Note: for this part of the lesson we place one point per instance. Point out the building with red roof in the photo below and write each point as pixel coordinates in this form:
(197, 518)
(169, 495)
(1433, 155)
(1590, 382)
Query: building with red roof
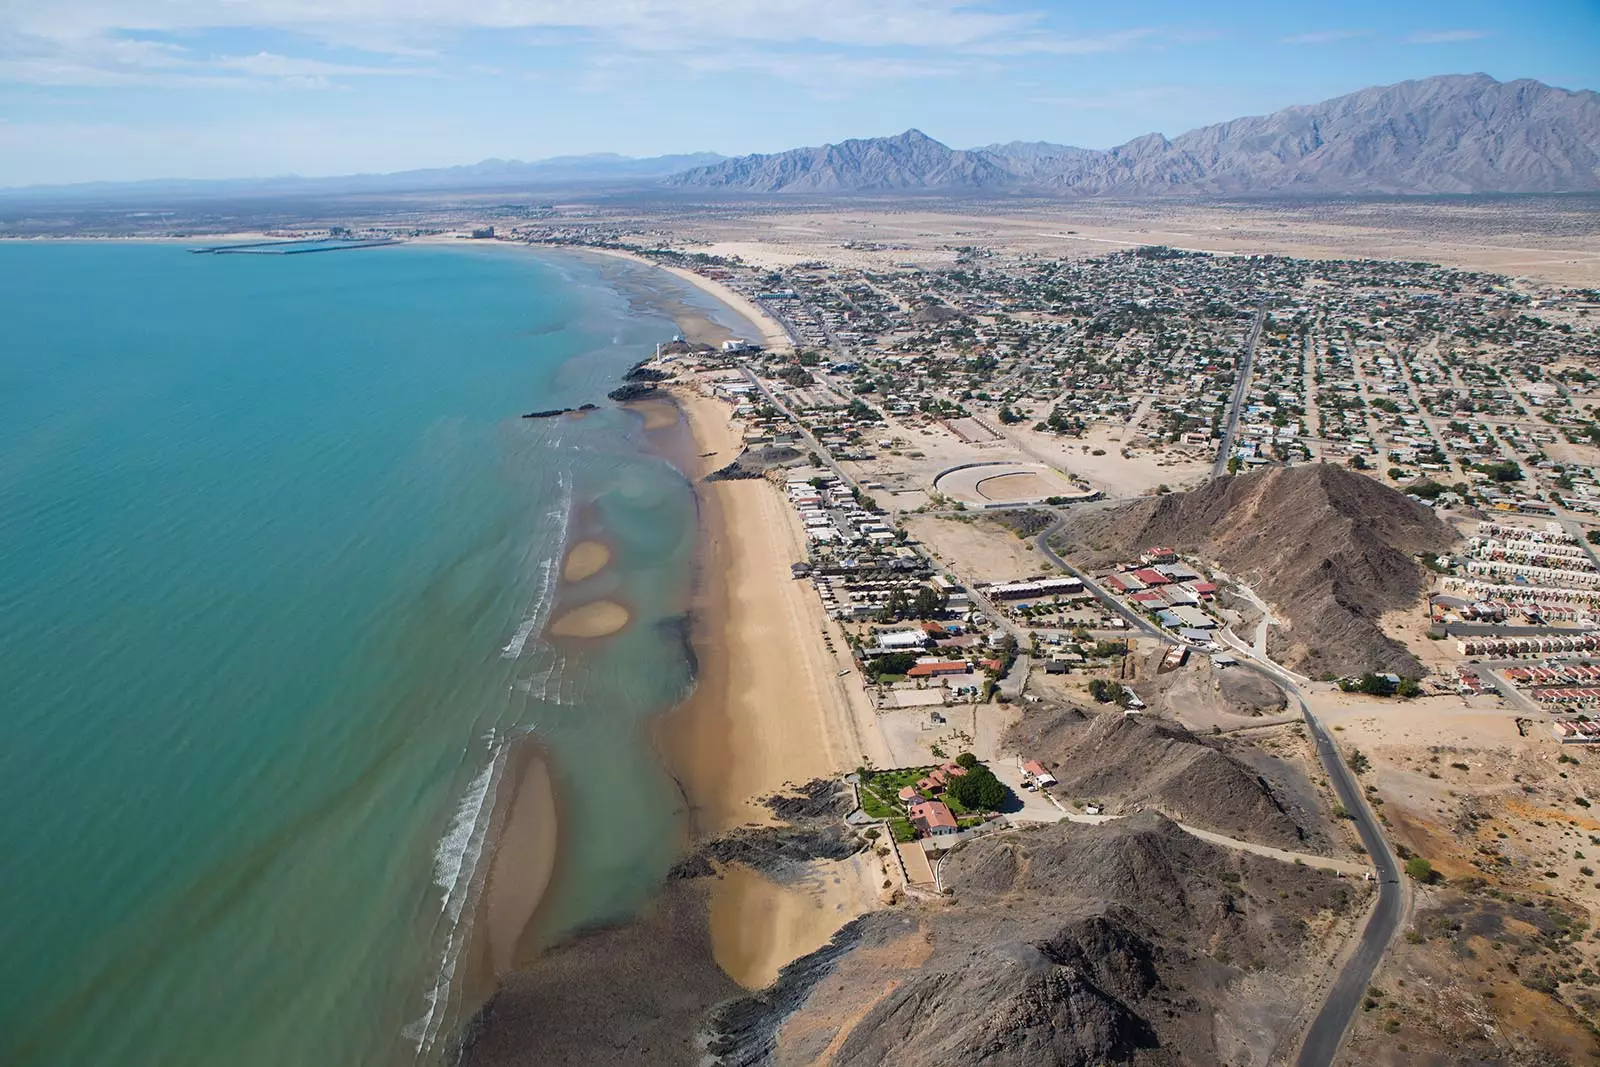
(934, 818)
(935, 668)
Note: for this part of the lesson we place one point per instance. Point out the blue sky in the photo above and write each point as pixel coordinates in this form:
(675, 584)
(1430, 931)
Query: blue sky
(127, 89)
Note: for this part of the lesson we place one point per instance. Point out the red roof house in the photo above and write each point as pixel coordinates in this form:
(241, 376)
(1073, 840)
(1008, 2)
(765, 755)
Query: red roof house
(933, 817)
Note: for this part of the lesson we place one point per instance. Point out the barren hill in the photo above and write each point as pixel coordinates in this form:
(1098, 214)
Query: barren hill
(1459, 133)
(1134, 761)
(1129, 942)
(1329, 548)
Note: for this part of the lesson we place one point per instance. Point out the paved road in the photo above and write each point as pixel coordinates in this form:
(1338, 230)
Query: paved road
(1327, 1030)
(1241, 385)
(1339, 1007)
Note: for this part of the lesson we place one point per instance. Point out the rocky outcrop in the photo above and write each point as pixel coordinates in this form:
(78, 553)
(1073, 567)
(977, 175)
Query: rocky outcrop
(1330, 548)
(1131, 762)
(1065, 944)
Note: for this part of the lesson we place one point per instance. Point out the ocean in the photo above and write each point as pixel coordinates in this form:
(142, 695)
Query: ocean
(276, 555)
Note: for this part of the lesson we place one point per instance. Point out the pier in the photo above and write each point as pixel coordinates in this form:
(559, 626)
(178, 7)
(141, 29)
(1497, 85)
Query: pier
(293, 248)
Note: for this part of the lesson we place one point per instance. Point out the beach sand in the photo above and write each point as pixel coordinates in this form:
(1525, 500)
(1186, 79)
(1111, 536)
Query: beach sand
(759, 925)
(584, 560)
(599, 618)
(769, 710)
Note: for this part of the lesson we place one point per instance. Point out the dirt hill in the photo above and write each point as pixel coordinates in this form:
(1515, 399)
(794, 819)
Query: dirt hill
(1130, 762)
(1329, 548)
(1064, 945)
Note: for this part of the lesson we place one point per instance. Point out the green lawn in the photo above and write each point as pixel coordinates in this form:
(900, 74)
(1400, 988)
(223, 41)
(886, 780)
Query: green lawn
(880, 794)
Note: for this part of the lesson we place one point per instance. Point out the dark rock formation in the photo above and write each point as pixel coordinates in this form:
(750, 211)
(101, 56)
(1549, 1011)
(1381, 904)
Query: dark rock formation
(633, 391)
(1137, 761)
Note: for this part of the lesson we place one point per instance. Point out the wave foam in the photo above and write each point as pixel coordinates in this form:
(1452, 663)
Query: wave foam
(544, 598)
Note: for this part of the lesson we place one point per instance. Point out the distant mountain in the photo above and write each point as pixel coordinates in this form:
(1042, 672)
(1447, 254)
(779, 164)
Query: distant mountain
(1450, 134)
(598, 169)
(912, 160)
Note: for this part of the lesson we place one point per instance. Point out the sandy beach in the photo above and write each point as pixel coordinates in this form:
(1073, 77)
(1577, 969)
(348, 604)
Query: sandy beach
(770, 708)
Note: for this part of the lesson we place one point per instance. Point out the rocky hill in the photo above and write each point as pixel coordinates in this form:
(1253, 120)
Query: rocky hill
(1327, 547)
(1450, 134)
(1131, 762)
(1130, 942)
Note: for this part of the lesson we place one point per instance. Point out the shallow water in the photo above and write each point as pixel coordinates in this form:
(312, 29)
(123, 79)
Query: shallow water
(276, 552)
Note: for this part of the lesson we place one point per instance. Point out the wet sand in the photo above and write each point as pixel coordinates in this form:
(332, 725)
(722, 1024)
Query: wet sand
(523, 865)
(772, 335)
(599, 618)
(585, 560)
(759, 925)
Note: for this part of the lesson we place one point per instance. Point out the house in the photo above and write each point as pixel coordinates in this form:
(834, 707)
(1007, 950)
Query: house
(1151, 577)
(932, 817)
(937, 668)
(1153, 556)
(909, 795)
(1193, 617)
(902, 640)
(1035, 770)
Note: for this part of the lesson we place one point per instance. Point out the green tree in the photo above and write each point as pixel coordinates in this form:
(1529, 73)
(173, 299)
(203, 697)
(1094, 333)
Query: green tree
(1235, 464)
(979, 790)
(929, 603)
(1421, 870)
(967, 760)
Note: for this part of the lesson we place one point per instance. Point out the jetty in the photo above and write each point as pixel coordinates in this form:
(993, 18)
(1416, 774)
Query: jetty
(294, 248)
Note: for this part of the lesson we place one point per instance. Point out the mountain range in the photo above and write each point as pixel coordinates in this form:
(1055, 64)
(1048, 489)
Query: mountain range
(1465, 133)
(1451, 134)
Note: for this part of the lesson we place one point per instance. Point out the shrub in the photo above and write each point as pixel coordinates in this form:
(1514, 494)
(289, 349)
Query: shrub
(1421, 870)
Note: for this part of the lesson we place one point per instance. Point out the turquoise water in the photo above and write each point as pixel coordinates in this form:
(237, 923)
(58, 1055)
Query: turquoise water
(275, 554)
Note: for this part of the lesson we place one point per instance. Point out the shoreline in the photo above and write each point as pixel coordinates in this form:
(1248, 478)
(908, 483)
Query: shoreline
(767, 711)
(773, 335)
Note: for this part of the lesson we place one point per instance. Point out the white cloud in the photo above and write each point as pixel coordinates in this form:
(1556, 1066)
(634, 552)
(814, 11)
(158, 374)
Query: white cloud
(645, 23)
(932, 31)
(1446, 36)
(829, 75)
(268, 65)
(1062, 45)
(1325, 37)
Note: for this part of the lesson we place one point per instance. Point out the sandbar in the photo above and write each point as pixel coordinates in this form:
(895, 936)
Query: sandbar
(584, 560)
(599, 618)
